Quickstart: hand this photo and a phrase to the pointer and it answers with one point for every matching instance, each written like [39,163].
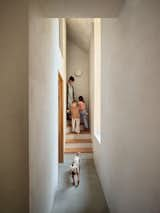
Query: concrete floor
[86,198]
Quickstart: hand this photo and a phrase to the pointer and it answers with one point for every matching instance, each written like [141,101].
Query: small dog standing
[75,169]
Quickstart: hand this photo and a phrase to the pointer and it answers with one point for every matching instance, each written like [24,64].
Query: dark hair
[71,78]
[81,98]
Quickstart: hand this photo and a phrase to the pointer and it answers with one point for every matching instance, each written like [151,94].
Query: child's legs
[81,117]
[77,125]
[84,117]
[73,125]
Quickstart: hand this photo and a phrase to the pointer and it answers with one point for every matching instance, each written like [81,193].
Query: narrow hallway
[114,58]
[88,197]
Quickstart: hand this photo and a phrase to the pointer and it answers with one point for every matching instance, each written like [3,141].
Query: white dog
[77,160]
[75,168]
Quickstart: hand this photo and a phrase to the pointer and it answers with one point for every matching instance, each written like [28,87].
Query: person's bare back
[75,110]
[75,117]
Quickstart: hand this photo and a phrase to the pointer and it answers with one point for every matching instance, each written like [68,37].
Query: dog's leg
[73,178]
[78,178]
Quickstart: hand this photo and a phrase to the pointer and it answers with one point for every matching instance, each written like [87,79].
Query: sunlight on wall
[97,78]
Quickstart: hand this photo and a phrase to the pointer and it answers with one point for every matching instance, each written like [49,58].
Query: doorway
[60,120]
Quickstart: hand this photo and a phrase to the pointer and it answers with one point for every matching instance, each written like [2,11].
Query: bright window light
[97,79]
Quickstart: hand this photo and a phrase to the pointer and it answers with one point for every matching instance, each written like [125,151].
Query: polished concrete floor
[86,198]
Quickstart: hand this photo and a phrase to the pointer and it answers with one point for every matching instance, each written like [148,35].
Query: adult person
[70,93]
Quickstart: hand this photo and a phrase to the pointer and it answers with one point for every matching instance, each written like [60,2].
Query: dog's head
[77,154]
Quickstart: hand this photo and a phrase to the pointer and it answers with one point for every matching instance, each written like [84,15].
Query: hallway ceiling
[79,31]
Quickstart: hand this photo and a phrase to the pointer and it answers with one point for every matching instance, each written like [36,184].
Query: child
[83,112]
[75,117]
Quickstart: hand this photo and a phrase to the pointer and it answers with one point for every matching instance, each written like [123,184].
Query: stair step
[80,136]
[75,150]
[88,140]
[69,128]
[78,145]
[85,135]
[70,156]
[82,132]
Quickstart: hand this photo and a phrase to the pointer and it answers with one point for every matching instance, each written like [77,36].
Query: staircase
[78,143]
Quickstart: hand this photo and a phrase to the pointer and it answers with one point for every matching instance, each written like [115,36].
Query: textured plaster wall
[128,158]
[83,8]
[44,63]
[14,175]
[78,59]
[91,82]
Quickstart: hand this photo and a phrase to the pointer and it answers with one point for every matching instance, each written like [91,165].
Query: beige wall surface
[78,59]
[14,177]
[83,8]
[62,71]
[91,83]
[44,63]
[128,158]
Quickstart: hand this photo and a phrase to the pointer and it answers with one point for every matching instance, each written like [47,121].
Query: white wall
[78,59]
[83,8]
[44,63]
[14,176]
[128,158]
[95,79]
[62,70]
[91,82]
